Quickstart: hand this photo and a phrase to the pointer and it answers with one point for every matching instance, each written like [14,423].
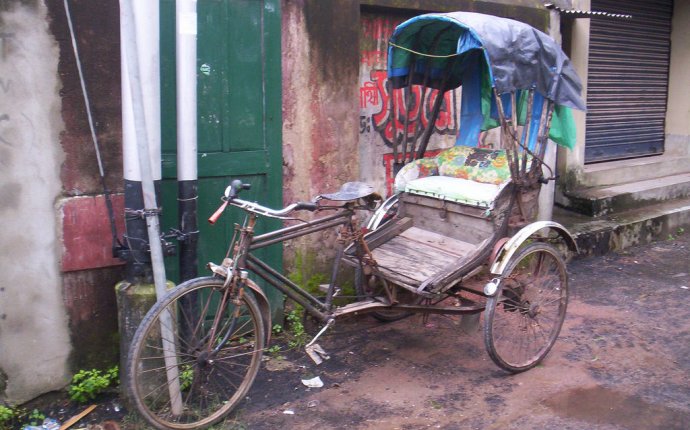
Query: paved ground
[622,362]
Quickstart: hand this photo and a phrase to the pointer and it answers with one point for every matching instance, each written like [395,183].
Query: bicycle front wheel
[195,355]
[523,319]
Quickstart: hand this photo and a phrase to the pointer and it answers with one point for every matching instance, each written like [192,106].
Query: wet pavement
[622,361]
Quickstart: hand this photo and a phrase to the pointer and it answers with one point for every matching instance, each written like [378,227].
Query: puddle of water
[599,405]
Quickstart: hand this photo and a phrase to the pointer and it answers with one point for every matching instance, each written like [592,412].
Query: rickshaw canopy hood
[518,56]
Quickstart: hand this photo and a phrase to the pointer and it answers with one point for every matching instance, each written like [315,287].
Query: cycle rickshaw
[461,226]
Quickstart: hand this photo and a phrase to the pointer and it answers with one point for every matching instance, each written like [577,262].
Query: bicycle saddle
[350,191]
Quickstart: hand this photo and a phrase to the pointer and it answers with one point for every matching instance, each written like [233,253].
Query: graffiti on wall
[376,111]
[389,118]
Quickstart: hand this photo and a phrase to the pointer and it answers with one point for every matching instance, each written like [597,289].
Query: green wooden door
[239,119]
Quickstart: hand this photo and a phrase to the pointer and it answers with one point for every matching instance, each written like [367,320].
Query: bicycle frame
[246,243]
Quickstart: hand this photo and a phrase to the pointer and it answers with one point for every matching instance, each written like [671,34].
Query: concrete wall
[320,108]
[34,336]
[678,113]
[57,303]
[89,270]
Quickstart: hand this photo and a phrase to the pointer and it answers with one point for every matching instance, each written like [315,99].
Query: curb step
[599,235]
[612,199]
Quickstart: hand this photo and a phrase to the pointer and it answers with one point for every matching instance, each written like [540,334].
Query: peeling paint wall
[89,270]
[320,104]
[34,335]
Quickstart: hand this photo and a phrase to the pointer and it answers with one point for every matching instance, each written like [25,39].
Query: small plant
[186,377]
[297,333]
[7,416]
[680,231]
[87,384]
[275,349]
[277,329]
[35,417]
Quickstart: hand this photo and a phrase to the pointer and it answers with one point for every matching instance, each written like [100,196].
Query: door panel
[238,119]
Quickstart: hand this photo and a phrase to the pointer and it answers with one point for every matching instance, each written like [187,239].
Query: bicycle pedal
[316,353]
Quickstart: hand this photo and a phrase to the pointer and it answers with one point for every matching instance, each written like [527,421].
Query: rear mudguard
[379,216]
[259,295]
[511,246]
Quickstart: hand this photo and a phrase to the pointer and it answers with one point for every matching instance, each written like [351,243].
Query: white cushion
[456,190]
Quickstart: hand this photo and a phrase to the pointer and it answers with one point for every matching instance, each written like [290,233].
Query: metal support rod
[252,264]
[394,120]
[187,195]
[513,133]
[427,73]
[92,128]
[424,141]
[527,128]
[408,106]
[129,47]
[307,229]
[505,134]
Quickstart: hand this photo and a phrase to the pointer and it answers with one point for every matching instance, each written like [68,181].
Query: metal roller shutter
[628,80]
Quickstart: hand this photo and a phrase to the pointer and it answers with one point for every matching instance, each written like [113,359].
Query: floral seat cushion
[463,174]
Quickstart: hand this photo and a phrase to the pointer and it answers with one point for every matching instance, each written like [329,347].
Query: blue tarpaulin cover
[482,52]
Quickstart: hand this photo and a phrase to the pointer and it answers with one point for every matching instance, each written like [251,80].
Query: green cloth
[562,131]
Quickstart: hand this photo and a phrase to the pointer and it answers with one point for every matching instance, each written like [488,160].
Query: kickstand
[314,350]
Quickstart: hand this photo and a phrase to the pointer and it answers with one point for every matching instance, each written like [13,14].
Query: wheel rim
[527,313]
[214,370]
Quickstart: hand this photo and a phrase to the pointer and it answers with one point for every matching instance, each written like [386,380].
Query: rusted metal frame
[346,230]
[418,118]
[543,136]
[393,117]
[408,105]
[514,142]
[425,84]
[505,134]
[440,94]
[373,305]
[508,133]
[310,303]
[292,232]
[527,129]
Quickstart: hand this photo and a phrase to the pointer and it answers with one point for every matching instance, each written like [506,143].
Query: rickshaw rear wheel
[525,316]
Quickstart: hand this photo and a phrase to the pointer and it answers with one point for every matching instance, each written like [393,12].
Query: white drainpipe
[139,25]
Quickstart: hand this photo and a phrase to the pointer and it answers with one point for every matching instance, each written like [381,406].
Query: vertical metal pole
[186,35]
[129,48]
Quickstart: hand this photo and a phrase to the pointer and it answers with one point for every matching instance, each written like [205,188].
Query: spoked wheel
[524,317]
[195,355]
[373,286]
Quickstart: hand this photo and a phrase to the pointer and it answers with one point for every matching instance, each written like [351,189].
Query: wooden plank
[388,231]
[412,259]
[439,241]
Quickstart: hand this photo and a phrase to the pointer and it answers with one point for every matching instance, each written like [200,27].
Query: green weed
[87,384]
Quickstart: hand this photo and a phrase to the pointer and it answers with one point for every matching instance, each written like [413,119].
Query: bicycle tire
[525,316]
[210,384]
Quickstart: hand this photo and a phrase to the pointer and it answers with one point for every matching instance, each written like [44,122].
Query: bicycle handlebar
[232,192]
